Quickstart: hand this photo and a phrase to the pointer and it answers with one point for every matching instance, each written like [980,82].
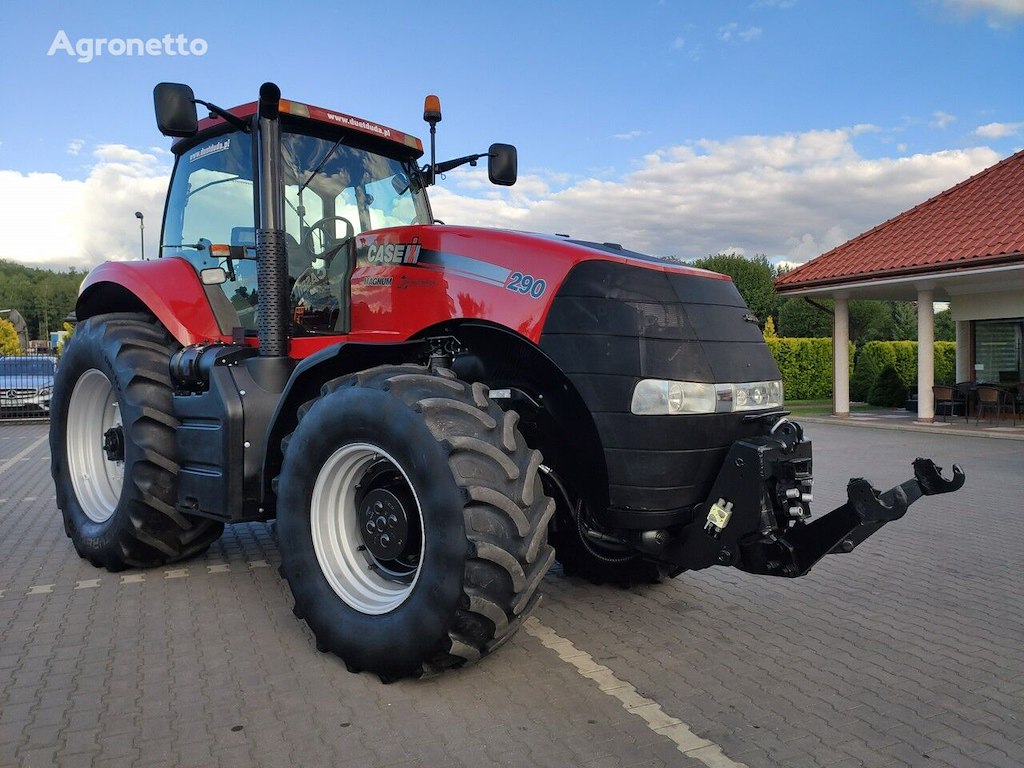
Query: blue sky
[782,127]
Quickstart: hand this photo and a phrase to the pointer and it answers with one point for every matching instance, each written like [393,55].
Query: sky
[675,127]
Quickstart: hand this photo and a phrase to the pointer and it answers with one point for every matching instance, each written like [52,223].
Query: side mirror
[175,109]
[502,164]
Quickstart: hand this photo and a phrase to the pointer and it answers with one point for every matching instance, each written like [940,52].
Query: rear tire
[112,446]
[411,520]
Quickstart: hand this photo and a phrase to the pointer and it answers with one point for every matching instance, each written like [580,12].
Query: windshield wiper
[301,209]
[320,165]
[215,182]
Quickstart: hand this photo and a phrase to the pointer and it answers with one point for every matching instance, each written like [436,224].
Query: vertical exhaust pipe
[271,253]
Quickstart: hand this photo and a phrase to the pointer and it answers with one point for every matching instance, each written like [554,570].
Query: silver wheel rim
[92,411]
[348,566]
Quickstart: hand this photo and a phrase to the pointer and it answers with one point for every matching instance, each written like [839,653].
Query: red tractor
[433,414]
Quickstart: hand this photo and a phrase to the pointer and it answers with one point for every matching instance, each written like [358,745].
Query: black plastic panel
[612,325]
[222,436]
[210,449]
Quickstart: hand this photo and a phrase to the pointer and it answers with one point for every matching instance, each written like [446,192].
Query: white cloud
[999,14]
[731,33]
[630,135]
[693,52]
[794,196]
[732,250]
[942,119]
[57,222]
[75,146]
[998,130]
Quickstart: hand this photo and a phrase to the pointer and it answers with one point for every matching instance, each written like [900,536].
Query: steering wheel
[331,244]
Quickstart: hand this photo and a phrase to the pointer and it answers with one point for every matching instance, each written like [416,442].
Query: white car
[26,384]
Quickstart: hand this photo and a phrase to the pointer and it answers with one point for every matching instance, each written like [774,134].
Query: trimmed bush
[945,362]
[889,389]
[806,366]
[875,356]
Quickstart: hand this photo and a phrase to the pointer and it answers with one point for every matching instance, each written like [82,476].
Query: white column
[963,350]
[841,357]
[925,355]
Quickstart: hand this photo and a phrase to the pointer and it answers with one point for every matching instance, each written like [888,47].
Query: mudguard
[168,288]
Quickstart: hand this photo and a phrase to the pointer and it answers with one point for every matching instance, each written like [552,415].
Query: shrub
[806,366]
[945,362]
[9,343]
[874,357]
[889,389]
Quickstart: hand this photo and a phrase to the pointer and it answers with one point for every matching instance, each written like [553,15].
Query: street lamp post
[142,236]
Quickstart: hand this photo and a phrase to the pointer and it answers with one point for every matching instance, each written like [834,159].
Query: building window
[997,351]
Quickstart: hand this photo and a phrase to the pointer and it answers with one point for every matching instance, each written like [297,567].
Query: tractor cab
[336,181]
[315,178]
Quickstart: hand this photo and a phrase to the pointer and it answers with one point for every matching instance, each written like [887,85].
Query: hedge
[875,356]
[806,366]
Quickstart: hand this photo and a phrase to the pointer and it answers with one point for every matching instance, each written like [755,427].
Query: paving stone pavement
[908,652]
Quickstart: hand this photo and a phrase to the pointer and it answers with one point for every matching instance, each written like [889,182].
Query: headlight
[657,397]
[45,391]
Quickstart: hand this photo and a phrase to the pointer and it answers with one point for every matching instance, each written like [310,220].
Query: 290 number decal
[526,284]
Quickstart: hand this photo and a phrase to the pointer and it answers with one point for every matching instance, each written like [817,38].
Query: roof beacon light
[432,110]
[432,115]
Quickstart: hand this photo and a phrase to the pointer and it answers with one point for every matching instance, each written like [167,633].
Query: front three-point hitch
[757,517]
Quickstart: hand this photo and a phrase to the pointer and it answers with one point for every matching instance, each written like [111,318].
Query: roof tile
[979,220]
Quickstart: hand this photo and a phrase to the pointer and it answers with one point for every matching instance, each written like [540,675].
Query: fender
[306,381]
[167,288]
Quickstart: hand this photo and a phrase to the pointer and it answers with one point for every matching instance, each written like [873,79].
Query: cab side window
[211,201]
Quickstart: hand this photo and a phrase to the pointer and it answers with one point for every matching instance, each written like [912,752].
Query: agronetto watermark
[85,49]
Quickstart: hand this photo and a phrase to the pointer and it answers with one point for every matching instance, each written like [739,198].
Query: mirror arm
[237,122]
[449,165]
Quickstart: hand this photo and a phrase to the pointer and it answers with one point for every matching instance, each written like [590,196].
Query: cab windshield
[332,192]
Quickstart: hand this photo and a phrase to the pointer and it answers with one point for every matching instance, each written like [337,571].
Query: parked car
[26,384]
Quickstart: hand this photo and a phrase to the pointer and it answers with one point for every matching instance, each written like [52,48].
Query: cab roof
[410,145]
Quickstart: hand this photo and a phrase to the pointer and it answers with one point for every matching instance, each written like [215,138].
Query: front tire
[411,520]
[112,443]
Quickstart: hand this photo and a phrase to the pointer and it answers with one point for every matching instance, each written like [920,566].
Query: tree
[945,326]
[754,279]
[9,344]
[68,329]
[869,320]
[43,297]
[799,319]
[902,325]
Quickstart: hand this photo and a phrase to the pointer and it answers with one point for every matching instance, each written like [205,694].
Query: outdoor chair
[945,401]
[964,391]
[995,399]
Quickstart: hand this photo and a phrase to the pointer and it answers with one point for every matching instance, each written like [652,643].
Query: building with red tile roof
[964,246]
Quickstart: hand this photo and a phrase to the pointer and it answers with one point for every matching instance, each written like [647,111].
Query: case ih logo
[393,253]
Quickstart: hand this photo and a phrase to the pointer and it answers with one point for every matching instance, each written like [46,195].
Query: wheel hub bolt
[385,525]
